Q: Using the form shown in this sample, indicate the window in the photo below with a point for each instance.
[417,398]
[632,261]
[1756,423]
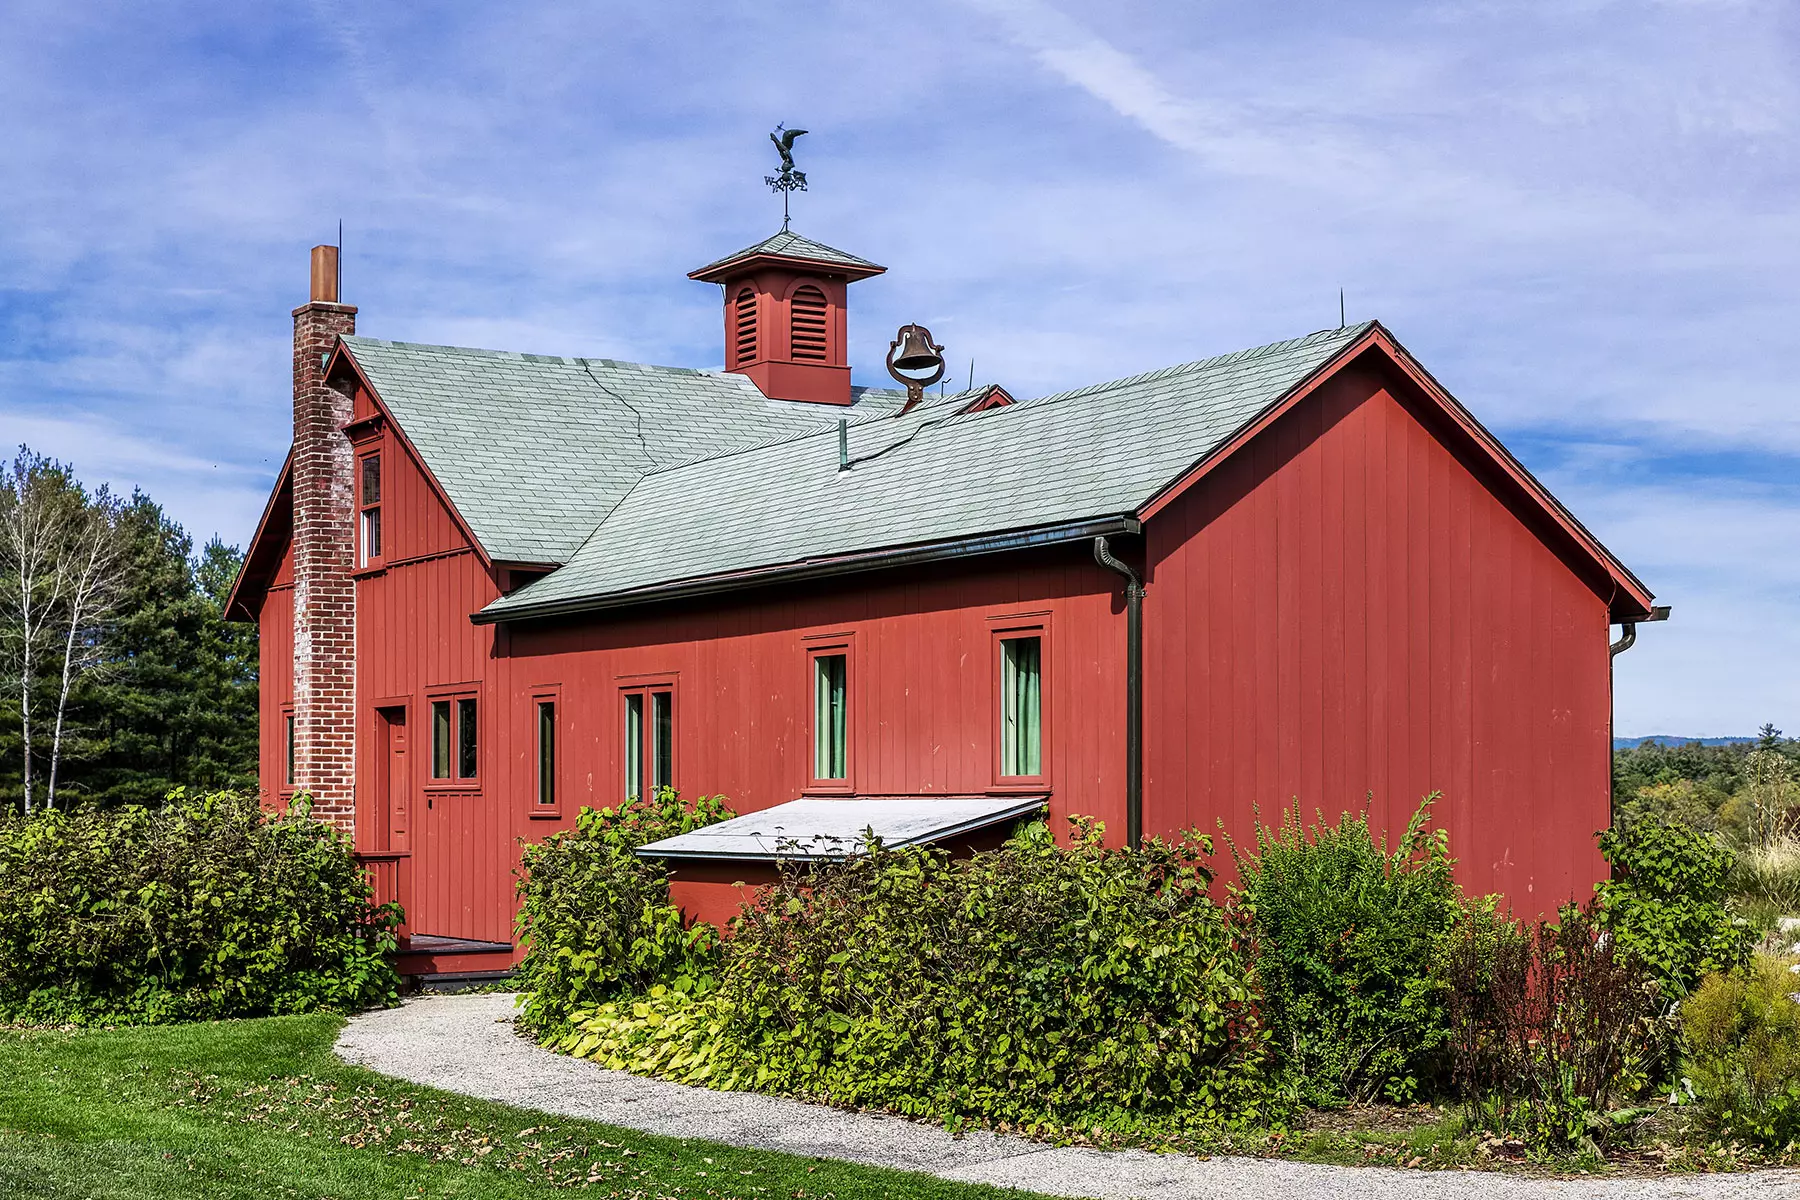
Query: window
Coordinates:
[1021,706]
[287,747]
[369,547]
[806,327]
[455,739]
[546,752]
[662,740]
[831,743]
[649,740]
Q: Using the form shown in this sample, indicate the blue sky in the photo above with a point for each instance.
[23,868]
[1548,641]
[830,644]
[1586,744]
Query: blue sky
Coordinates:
[1580,215]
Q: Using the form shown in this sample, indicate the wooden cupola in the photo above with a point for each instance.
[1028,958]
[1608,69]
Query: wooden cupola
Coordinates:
[784,315]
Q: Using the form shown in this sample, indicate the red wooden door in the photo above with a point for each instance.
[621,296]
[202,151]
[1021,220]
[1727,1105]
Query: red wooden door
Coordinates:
[383,817]
[395,787]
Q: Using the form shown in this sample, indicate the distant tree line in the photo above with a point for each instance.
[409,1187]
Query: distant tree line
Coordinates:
[120,678]
[1749,791]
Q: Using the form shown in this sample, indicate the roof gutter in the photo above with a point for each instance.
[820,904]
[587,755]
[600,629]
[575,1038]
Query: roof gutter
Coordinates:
[1134,691]
[821,568]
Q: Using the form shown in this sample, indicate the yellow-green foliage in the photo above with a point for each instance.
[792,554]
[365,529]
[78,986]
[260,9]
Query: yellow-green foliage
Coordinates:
[1743,1034]
[1041,985]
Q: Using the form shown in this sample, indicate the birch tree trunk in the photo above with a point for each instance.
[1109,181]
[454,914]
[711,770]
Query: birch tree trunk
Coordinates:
[91,581]
[40,506]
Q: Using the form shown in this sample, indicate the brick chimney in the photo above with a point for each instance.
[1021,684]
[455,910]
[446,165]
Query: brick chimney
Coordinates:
[324,553]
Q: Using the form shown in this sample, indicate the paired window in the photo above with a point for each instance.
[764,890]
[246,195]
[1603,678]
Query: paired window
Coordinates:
[831,716]
[1021,706]
[649,740]
[369,504]
[455,739]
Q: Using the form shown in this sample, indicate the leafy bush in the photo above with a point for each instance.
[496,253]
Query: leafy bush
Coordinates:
[207,907]
[597,920]
[1667,902]
[1345,935]
[1038,985]
[1547,1025]
[1743,1035]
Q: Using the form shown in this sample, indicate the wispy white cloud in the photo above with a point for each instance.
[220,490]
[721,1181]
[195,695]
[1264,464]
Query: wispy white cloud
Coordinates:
[1580,215]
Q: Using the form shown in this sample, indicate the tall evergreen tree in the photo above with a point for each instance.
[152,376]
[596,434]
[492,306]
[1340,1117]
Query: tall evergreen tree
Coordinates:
[174,701]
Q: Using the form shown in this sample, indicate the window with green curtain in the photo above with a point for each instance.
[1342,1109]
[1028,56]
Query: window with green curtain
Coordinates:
[1021,706]
[634,744]
[440,739]
[546,751]
[830,738]
[468,759]
[662,740]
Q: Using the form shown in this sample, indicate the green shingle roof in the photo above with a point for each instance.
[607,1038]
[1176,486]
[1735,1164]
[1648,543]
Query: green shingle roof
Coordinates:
[788,244]
[533,449]
[935,475]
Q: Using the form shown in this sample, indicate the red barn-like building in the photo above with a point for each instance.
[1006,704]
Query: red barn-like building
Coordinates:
[495,587]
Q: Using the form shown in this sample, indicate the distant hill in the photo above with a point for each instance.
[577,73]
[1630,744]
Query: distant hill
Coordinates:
[1669,739]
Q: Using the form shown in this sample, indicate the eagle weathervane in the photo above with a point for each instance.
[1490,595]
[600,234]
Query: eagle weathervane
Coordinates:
[791,178]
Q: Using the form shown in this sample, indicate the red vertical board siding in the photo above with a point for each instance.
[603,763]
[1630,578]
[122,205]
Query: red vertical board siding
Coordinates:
[922,700]
[1342,609]
[1377,621]
[275,676]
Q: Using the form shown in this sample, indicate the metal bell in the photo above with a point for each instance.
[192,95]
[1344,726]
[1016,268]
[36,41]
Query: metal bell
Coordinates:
[916,351]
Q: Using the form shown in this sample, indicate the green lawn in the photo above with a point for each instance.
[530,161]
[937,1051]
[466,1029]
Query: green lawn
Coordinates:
[261,1109]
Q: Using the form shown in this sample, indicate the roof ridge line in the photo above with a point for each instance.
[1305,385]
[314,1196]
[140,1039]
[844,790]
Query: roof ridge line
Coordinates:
[771,443]
[1174,368]
[1035,403]
[528,356]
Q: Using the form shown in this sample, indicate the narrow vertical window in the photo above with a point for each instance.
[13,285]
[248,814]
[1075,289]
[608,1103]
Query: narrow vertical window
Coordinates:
[546,719]
[440,739]
[634,744]
[287,775]
[830,741]
[468,757]
[1021,706]
[662,740]
[369,550]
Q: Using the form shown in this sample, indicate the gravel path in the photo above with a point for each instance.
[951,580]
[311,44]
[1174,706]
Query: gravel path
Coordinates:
[467,1044]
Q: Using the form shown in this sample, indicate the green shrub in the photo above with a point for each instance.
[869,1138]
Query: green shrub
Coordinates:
[1743,1035]
[1548,1024]
[1667,902]
[1346,934]
[1038,985]
[208,907]
[596,919]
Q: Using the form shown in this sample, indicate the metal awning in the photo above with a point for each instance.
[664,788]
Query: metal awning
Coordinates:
[818,828]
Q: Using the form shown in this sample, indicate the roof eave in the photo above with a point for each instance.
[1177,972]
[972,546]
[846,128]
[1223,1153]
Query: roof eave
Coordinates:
[820,568]
[235,607]
[731,268]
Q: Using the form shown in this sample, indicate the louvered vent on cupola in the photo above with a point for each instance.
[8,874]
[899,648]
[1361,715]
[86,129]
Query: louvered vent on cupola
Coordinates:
[807,325]
[784,308]
[746,326]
